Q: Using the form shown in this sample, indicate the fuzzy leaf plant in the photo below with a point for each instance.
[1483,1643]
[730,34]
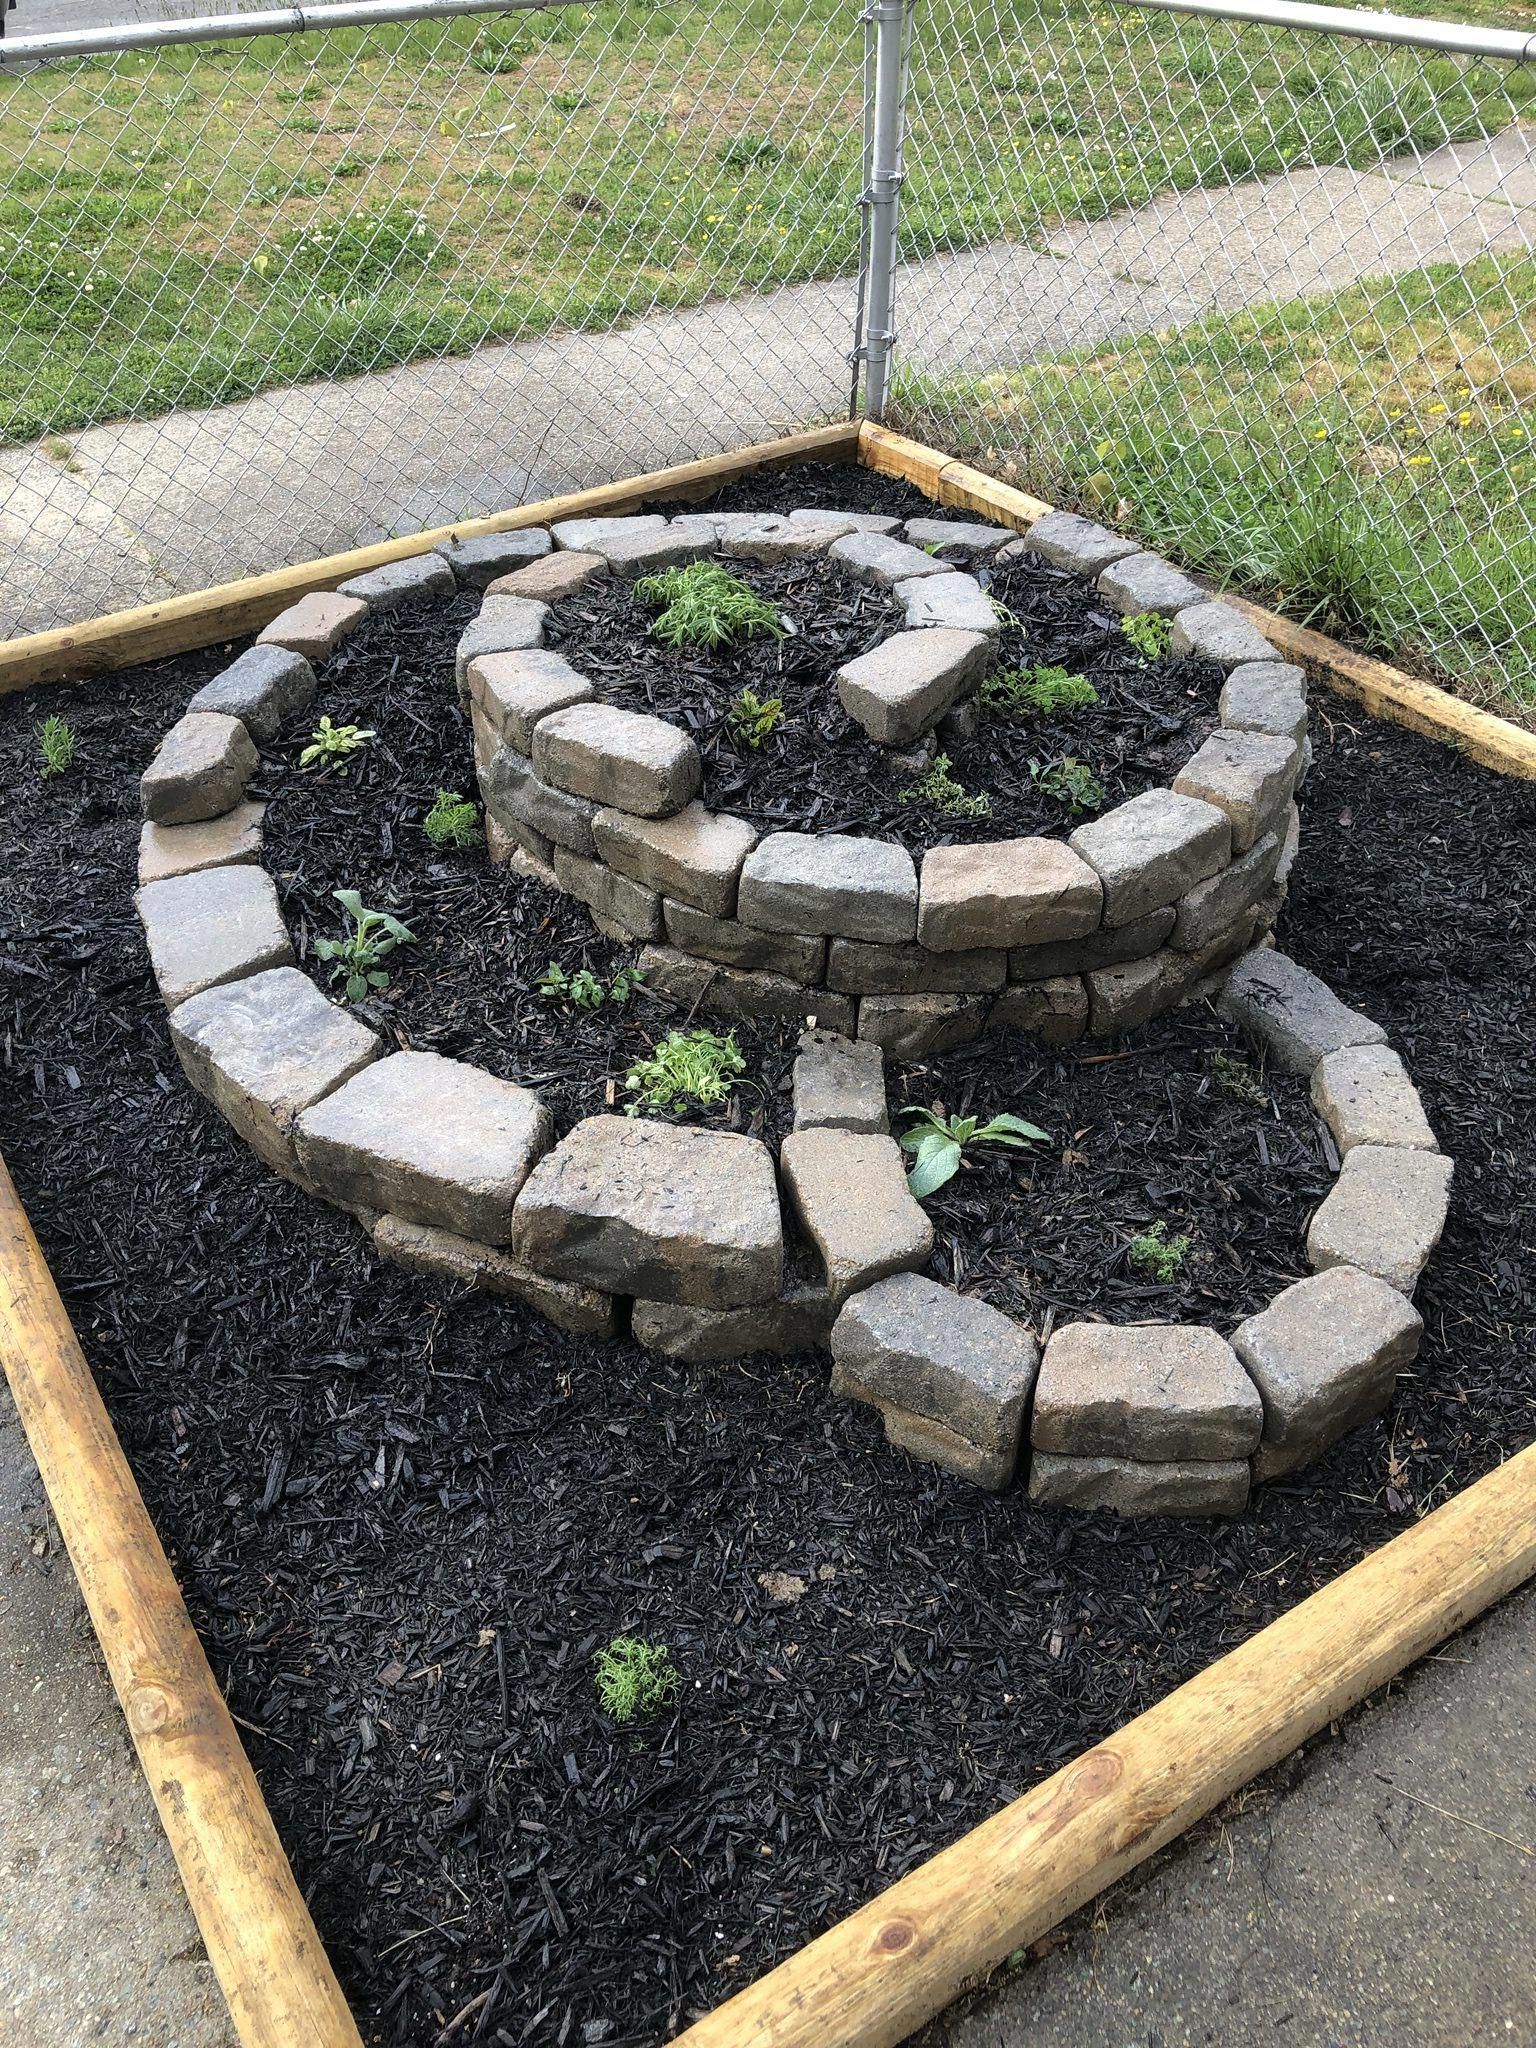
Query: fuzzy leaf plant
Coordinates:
[358,959]
[939,1143]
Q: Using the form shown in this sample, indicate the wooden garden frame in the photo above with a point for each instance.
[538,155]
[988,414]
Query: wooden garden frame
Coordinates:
[893,1963]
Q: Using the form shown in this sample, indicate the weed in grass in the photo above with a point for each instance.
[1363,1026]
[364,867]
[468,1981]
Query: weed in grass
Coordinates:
[1149,633]
[1234,1077]
[1014,692]
[703,605]
[686,1067]
[358,958]
[1156,1255]
[1069,783]
[335,743]
[751,152]
[56,744]
[451,821]
[939,788]
[938,1143]
[752,718]
[585,990]
[634,1678]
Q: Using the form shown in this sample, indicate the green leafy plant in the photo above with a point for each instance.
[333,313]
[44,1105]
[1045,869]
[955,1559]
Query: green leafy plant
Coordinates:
[634,1678]
[1236,1078]
[938,1143]
[704,605]
[358,958]
[1157,1255]
[751,152]
[328,743]
[586,990]
[1011,692]
[687,1066]
[1069,783]
[939,788]
[1149,633]
[751,718]
[451,821]
[56,744]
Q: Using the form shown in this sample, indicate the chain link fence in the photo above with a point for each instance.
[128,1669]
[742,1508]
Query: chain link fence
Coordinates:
[1266,294]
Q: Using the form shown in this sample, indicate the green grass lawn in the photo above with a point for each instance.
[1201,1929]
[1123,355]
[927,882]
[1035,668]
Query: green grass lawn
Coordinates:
[202,223]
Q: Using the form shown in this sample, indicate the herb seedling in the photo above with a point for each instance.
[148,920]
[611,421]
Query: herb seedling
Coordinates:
[939,788]
[1012,692]
[703,605]
[938,1143]
[1157,1255]
[687,1066]
[358,958]
[585,989]
[1236,1078]
[634,1678]
[328,743]
[1069,783]
[451,821]
[1149,633]
[752,718]
[56,744]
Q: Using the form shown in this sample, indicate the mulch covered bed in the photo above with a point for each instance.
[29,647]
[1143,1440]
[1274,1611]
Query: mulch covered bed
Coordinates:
[404,1521]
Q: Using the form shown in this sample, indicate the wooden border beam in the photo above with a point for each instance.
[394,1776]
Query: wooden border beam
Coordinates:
[271,1967]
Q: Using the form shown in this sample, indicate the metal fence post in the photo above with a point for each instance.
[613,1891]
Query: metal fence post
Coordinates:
[885,120]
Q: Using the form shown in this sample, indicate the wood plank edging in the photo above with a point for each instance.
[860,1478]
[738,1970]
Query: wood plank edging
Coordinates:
[176,625]
[271,1966]
[874,1977]
[1385,691]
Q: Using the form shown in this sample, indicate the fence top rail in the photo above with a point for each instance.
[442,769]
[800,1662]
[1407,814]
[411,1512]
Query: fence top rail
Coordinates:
[1462,39]
[271,21]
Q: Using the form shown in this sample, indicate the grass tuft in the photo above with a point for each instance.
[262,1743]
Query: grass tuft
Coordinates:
[634,1678]
[704,605]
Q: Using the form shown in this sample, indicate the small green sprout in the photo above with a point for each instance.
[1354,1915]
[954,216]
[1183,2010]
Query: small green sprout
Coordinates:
[359,956]
[328,743]
[56,743]
[751,152]
[1149,633]
[938,1143]
[585,990]
[1004,616]
[703,605]
[634,1678]
[1236,1078]
[451,821]
[687,1066]
[1069,783]
[752,718]
[1157,1255]
[939,788]
[1012,692]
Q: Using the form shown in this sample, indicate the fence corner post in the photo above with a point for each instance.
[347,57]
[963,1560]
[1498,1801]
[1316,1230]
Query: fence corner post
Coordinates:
[887,24]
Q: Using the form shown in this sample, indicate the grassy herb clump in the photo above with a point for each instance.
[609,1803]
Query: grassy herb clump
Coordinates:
[56,744]
[359,958]
[634,1678]
[1156,1255]
[704,605]
[451,821]
[1014,692]
[939,788]
[686,1067]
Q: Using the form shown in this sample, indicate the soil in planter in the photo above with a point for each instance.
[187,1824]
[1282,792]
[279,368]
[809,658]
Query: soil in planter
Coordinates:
[406,1519]
[818,771]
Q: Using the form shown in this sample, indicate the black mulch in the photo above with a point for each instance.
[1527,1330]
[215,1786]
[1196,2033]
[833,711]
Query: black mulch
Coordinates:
[404,1520]
[819,771]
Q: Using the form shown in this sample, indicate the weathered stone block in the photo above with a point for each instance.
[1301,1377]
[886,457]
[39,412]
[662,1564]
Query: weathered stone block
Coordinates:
[396,583]
[504,624]
[1054,1011]
[771,537]
[1150,1391]
[932,1444]
[1121,998]
[551,578]
[633,555]
[876,558]
[1006,892]
[798,1321]
[1126,1486]
[911,970]
[233,840]
[316,625]
[514,691]
[265,1048]
[1249,775]
[210,927]
[849,1193]
[1214,905]
[1068,542]
[839,1084]
[694,857]
[655,1210]
[956,603]
[729,944]
[1216,632]
[742,992]
[199,771]
[520,798]
[1107,947]
[1147,583]
[1384,1215]
[262,688]
[899,688]
[428,1139]
[1364,1095]
[1266,696]
[910,1345]
[1324,1356]
[587,533]
[1152,850]
[443,1255]
[854,522]
[635,909]
[959,539]
[1297,1017]
[916,1027]
[478,560]
[836,884]
[625,759]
